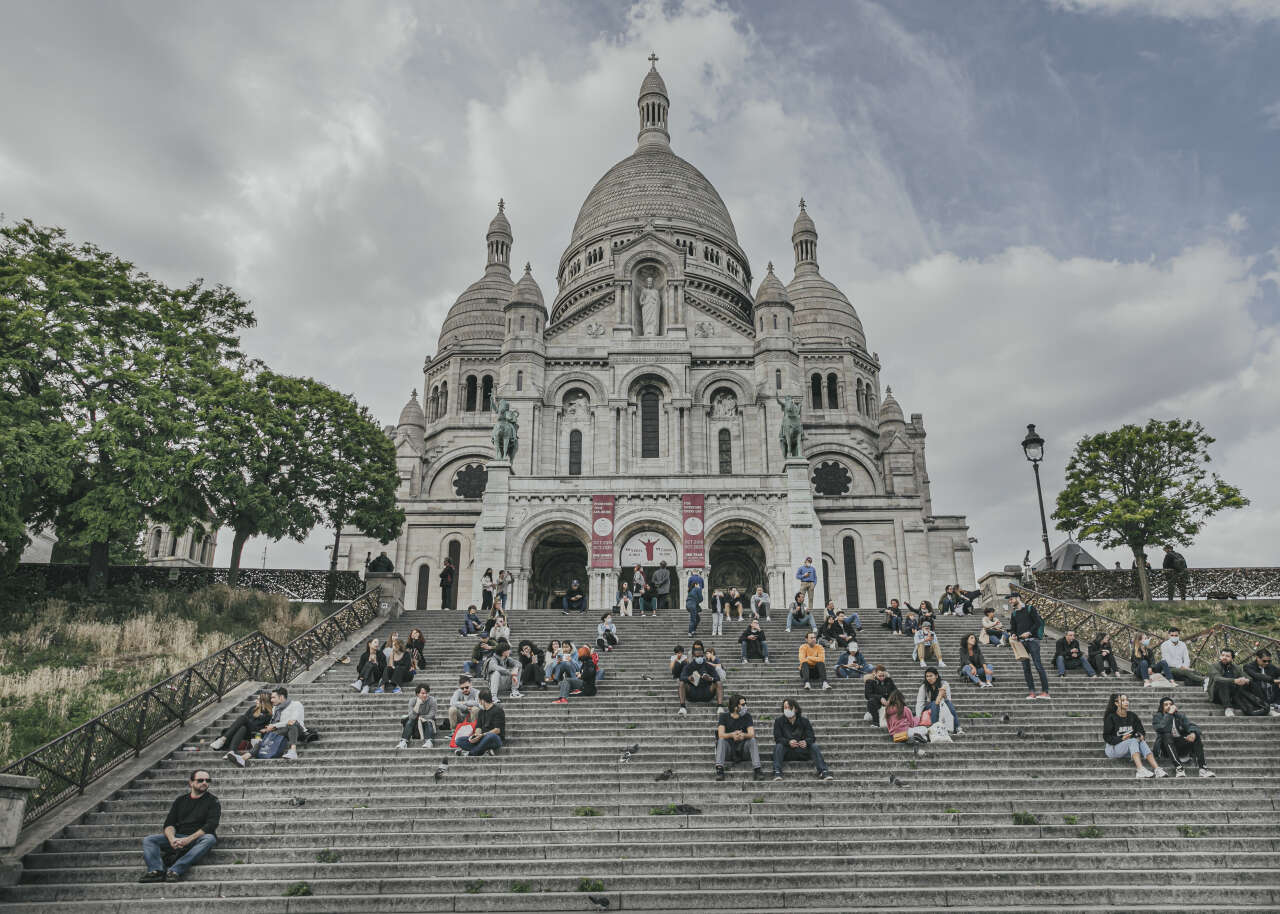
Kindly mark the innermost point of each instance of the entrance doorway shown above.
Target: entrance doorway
(424, 585)
(557, 561)
(737, 560)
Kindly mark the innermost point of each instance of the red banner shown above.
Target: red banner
(691, 520)
(602, 531)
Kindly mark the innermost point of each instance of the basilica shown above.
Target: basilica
(640, 418)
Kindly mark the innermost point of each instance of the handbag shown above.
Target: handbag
(938, 733)
(272, 745)
(1019, 652)
(926, 719)
(900, 737)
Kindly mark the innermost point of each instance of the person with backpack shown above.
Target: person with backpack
(420, 722)
(190, 832)
(281, 734)
(794, 740)
(1175, 571)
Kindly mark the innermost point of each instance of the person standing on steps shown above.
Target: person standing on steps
(753, 642)
(1173, 651)
(877, 689)
(807, 575)
(503, 581)
(1123, 735)
(1069, 654)
(189, 832)
(794, 740)
(447, 575)
(813, 667)
(491, 728)
(574, 599)
(717, 605)
(1175, 572)
(487, 589)
(698, 681)
(661, 588)
(760, 604)
(736, 739)
(1027, 628)
(640, 590)
(1178, 738)
(693, 603)
(420, 723)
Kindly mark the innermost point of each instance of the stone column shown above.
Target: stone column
(491, 529)
(14, 791)
(805, 532)
(391, 589)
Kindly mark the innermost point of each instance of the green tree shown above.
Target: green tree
(1141, 486)
(116, 363)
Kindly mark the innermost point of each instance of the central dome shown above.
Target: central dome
(653, 182)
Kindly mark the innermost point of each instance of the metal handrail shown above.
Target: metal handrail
(67, 765)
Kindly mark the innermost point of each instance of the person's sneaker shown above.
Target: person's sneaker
(564, 612)
(1273, 713)
(958, 731)
(827, 776)
(806, 686)
(458, 753)
(1161, 773)
(356, 685)
(1144, 773)
(576, 692)
(941, 663)
(517, 694)
(867, 717)
(232, 757)
(923, 664)
(757, 774)
(217, 744)
(719, 774)
(379, 690)
(919, 738)
(491, 752)
(1179, 772)
(1229, 712)
(403, 744)
(152, 876)
(1206, 773)
(427, 744)
(766, 660)
(683, 711)
(560, 701)
(397, 690)
(1062, 675)
(291, 755)
(364, 691)
(777, 775)
(825, 686)
(1043, 695)
(171, 876)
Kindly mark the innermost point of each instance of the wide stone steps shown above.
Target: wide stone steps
(508, 833)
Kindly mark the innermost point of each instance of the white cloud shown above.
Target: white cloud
(1250, 10)
(1271, 116)
(1237, 222)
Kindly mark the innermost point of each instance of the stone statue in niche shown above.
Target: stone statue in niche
(576, 407)
(724, 406)
(791, 433)
(650, 308)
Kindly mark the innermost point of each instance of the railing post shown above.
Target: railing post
(142, 723)
(90, 732)
(186, 695)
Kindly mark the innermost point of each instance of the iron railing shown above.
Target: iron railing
(1201, 584)
(68, 764)
(301, 584)
(1202, 646)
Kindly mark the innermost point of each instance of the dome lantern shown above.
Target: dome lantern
(498, 240)
(653, 104)
(804, 238)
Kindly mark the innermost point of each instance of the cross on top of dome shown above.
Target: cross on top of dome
(653, 60)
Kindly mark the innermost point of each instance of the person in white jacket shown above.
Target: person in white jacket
(606, 633)
(1174, 652)
(927, 642)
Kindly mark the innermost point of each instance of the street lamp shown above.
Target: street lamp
(1033, 447)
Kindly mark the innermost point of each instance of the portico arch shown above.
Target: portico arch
(737, 555)
(556, 555)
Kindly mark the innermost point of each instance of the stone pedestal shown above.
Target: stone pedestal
(14, 790)
(805, 532)
(391, 590)
(491, 529)
(996, 586)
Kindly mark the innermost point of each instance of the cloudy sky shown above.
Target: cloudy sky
(1064, 212)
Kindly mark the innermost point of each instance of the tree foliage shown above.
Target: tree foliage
(1140, 486)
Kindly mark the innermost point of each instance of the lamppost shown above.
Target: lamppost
(1033, 447)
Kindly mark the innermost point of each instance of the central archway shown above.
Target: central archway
(737, 560)
(559, 558)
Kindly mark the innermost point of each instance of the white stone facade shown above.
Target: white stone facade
(657, 373)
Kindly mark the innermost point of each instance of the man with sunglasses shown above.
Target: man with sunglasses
(188, 832)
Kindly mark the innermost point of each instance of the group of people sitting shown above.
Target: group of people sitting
(270, 728)
(388, 668)
(934, 712)
(793, 740)
(1177, 738)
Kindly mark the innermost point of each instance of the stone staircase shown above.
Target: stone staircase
(378, 834)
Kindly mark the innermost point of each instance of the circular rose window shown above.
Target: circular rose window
(832, 478)
(469, 482)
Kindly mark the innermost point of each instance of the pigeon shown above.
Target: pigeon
(633, 749)
(598, 900)
(297, 801)
(1022, 734)
(442, 770)
(1005, 719)
(666, 775)
(626, 757)
(647, 678)
(685, 809)
(894, 781)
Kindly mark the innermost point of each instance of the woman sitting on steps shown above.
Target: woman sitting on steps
(1123, 734)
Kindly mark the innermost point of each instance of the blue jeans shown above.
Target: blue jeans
(488, 741)
(695, 616)
(1084, 664)
(807, 619)
(764, 650)
(895, 622)
(578, 604)
(972, 672)
(782, 752)
(857, 623)
(154, 846)
(1143, 669)
(1033, 650)
(934, 711)
(569, 683)
(468, 627)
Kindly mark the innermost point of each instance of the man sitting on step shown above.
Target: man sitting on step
(1230, 687)
(1069, 654)
(753, 641)
(1173, 651)
(465, 702)
(188, 832)
(793, 740)
(574, 600)
(877, 689)
(698, 681)
(837, 631)
(736, 739)
(813, 662)
(491, 728)
(799, 614)
(502, 668)
(1265, 677)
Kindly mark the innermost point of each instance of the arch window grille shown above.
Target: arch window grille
(487, 399)
(815, 390)
(850, 573)
(649, 423)
(833, 392)
(882, 595)
(470, 405)
(777, 379)
(725, 441)
(519, 380)
(575, 453)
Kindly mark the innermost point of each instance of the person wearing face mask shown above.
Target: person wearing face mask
(794, 740)
(1144, 663)
(698, 681)
(1178, 738)
(1173, 651)
(736, 739)
(1123, 735)
(753, 643)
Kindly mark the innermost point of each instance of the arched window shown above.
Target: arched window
(850, 573)
(444, 398)
(195, 545)
(575, 453)
(726, 452)
(205, 551)
(877, 572)
(433, 409)
(470, 405)
(156, 537)
(862, 407)
(775, 322)
(522, 322)
(487, 399)
(872, 406)
(815, 387)
(173, 544)
(519, 380)
(649, 422)
(833, 392)
(777, 378)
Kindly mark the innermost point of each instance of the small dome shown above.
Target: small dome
(526, 291)
(653, 83)
(823, 314)
(771, 291)
(412, 413)
(804, 224)
(499, 224)
(890, 410)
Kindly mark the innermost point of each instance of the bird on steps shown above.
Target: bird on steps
(1005, 719)
(895, 781)
(666, 775)
(1022, 734)
(442, 770)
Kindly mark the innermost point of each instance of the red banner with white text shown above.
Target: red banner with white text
(602, 531)
(691, 508)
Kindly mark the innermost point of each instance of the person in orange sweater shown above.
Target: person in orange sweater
(813, 666)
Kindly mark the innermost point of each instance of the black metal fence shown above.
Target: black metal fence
(1201, 584)
(304, 584)
(66, 766)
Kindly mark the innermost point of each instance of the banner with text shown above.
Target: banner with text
(602, 531)
(691, 519)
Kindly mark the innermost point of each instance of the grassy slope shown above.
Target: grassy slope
(63, 663)
(1193, 616)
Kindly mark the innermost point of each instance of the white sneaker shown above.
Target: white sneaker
(356, 685)
(364, 690)
(517, 694)
(292, 755)
(1146, 684)
(942, 663)
(867, 717)
(1161, 773)
(683, 711)
(806, 686)
(923, 664)
(1144, 773)
(825, 686)
(1206, 773)
(403, 744)
(217, 744)
(426, 744)
(1229, 712)
(239, 760)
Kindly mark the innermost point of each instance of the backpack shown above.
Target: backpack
(311, 736)
(272, 746)
(1177, 561)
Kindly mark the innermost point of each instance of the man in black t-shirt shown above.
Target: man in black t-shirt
(188, 832)
(491, 728)
(736, 738)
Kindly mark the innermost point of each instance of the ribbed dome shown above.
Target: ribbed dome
(476, 317)
(771, 290)
(412, 413)
(890, 410)
(823, 314)
(653, 83)
(499, 224)
(527, 291)
(653, 182)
